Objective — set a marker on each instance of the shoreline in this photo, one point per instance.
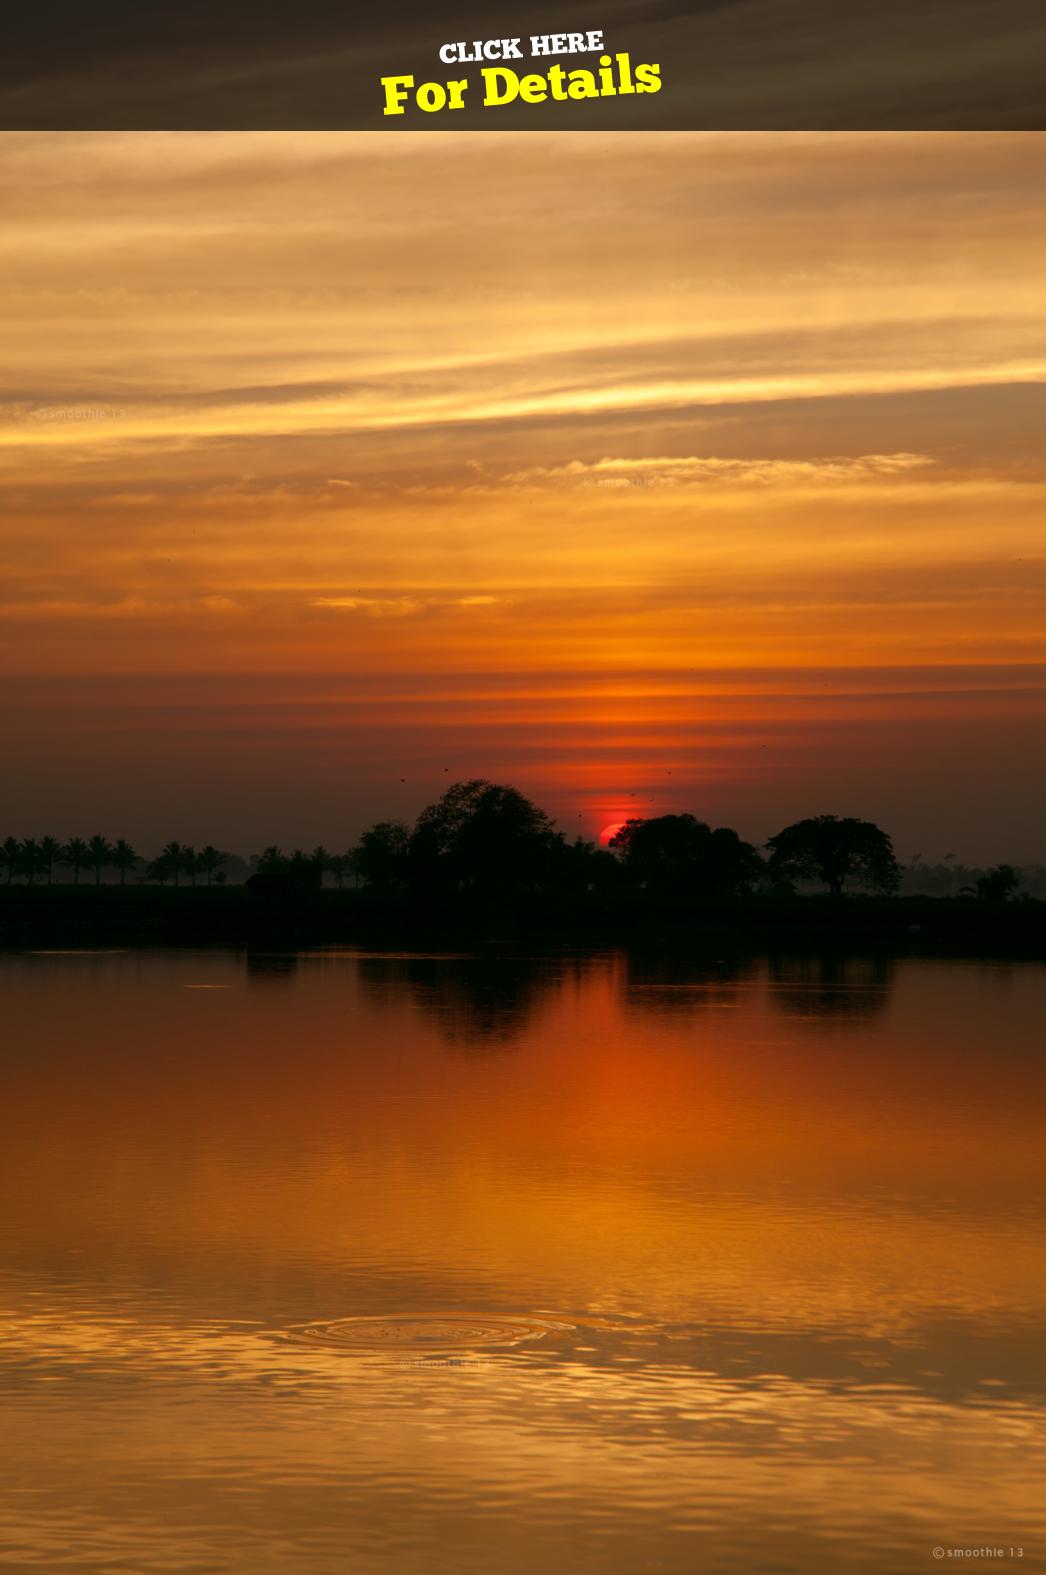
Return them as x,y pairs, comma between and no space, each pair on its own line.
35,917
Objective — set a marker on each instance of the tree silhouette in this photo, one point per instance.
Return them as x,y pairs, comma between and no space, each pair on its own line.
172,860
10,855
579,868
99,854
276,875
77,856
834,850
305,873
340,865
380,856
50,854
682,855
31,860
484,843
209,861
123,857
998,884
481,835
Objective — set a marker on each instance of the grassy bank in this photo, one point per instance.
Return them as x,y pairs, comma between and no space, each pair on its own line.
83,916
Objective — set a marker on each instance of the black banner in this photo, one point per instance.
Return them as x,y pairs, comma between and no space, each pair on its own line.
720,64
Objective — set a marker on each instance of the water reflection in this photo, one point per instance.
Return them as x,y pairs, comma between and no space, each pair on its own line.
792,1297
476,1003
671,985
271,967
812,989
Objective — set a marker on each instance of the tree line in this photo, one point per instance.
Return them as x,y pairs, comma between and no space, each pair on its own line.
36,860
486,839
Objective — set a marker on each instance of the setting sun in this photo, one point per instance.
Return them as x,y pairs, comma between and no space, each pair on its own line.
653,514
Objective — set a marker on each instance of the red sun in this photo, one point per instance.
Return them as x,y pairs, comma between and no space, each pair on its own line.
608,832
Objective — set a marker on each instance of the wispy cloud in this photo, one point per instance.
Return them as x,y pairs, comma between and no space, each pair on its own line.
765,404
668,471
401,606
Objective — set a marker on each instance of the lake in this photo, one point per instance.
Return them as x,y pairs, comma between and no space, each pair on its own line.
330,1262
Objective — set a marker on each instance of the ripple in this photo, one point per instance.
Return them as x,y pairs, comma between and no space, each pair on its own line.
450,1331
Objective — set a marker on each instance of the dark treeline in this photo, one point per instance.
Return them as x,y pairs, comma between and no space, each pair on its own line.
490,843
41,860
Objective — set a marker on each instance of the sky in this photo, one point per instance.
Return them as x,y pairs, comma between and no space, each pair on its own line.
648,472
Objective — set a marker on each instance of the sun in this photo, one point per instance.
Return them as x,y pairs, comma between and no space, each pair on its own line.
608,832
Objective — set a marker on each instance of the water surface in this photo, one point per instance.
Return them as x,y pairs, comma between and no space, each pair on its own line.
337,1263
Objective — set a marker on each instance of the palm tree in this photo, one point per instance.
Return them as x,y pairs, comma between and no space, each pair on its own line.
50,853
272,858
77,855
10,854
209,861
322,860
190,864
30,860
172,857
160,869
99,853
124,858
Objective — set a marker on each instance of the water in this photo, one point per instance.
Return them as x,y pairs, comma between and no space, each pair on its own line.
336,1263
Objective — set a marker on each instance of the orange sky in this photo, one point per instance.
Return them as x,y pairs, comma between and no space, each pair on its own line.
644,471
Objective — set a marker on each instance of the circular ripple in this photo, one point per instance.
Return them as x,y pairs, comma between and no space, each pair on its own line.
453,1331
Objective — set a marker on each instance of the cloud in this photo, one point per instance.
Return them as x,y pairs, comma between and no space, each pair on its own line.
664,471
379,402
400,606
